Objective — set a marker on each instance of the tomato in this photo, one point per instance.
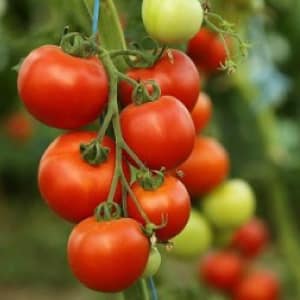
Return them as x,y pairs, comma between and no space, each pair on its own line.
194,239
177,76
170,201
251,238
207,51
221,270
172,21
61,90
153,264
161,133
201,114
206,167
108,256
19,127
230,205
260,285
69,185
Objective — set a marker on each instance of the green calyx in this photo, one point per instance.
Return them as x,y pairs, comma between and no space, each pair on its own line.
94,153
150,180
108,211
141,92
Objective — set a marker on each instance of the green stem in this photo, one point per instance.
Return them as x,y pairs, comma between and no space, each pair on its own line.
139,291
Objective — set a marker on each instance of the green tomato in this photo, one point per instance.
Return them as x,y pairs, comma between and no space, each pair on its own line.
172,21
230,205
153,264
195,238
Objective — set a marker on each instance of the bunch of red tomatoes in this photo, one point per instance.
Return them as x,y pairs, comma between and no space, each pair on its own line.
129,191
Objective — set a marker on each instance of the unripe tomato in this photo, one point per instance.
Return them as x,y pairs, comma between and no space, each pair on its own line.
206,167
194,239
251,238
108,256
172,21
202,111
230,205
169,202
153,264
207,51
19,127
221,270
176,75
260,285
61,90
68,184
161,133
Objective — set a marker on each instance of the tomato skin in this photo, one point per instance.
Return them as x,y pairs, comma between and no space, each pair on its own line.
68,184
207,51
108,256
194,239
171,200
251,238
172,21
230,205
61,90
206,167
202,112
221,270
161,133
260,285
176,77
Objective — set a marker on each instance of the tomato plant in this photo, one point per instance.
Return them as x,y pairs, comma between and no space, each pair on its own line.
54,86
251,238
206,167
207,51
153,263
202,111
259,285
170,203
146,130
108,256
194,239
230,205
176,75
68,184
221,270
172,21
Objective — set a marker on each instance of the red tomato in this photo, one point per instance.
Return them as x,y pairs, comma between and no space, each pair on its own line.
61,90
69,185
207,51
108,256
207,166
201,114
171,200
161,133
251,238
221,270
18,127
177,76
261,285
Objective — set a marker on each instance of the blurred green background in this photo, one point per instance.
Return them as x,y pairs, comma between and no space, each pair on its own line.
256,117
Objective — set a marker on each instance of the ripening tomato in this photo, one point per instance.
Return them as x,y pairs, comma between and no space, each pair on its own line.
170,201
177,76
19,127
172,21
251,238
69,185
201,114
194,239
108,256
61,90
221,270
230,205
260,285
206,167
161,133
207,51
